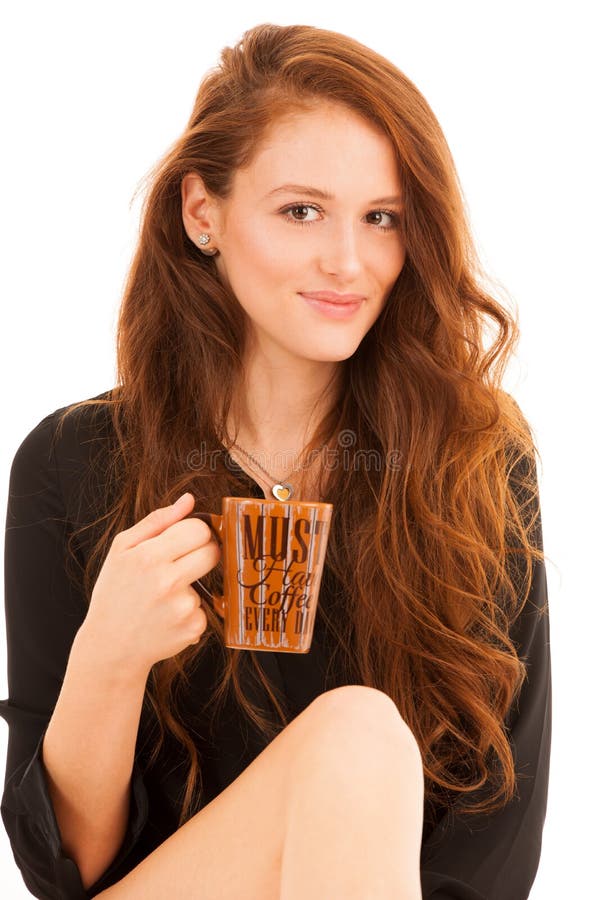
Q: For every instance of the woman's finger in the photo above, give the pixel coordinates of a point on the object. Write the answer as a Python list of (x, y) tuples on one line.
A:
[(155, 522)]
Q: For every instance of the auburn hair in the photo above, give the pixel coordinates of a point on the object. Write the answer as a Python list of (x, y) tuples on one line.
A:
[(433, 556)]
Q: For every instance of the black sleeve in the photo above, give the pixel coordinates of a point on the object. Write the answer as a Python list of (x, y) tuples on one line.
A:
[(496, 857), (44, 610)]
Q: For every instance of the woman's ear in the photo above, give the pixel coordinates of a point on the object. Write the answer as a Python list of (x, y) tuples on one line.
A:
[(198, 208)]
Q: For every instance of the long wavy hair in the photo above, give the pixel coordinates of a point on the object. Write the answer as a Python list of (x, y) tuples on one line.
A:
[(436, 551)]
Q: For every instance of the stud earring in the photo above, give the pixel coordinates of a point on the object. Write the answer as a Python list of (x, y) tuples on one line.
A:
[(202, 241)]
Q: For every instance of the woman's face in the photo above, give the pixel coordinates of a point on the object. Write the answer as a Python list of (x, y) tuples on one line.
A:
[(279, 242)]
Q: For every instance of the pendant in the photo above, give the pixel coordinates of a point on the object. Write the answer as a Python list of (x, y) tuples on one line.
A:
[(282, 491)]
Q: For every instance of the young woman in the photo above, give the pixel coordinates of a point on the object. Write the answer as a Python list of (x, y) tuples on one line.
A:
[(305, 307)]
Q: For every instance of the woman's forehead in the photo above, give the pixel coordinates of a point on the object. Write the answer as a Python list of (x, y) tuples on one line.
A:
[(322, 149)]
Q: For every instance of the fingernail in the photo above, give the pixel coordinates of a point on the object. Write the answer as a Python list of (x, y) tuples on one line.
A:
[(181, 499)]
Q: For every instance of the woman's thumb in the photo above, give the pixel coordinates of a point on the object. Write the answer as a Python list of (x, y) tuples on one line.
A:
[(156, 521)]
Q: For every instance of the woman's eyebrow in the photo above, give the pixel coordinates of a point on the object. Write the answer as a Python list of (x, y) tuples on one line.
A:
[(324, 195)]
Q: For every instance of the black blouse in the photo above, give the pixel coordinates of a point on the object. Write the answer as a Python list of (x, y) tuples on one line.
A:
[(493, 857)]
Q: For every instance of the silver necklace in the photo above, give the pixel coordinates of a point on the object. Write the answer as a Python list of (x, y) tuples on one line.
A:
[(281, 490)]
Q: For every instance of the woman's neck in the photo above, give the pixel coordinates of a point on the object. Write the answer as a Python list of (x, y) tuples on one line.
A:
[(275, 415), (280, 405)]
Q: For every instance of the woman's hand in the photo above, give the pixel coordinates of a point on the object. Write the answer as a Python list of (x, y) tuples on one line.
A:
[(143, 608)]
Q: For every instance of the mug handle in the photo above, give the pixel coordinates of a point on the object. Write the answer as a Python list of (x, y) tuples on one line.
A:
[(215, 523)]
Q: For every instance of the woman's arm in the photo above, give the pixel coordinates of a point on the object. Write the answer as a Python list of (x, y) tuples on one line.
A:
[(45, 611), (88, 755), (495, 857), (86, 666)]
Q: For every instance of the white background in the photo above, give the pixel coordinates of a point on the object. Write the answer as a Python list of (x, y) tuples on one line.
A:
[(93, 94)]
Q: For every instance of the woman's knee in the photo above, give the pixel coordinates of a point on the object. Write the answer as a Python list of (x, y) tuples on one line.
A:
[(356, 720)]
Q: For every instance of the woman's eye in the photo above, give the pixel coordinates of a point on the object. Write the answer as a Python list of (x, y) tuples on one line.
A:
[(382, 212), (297, 213), (303, 208)]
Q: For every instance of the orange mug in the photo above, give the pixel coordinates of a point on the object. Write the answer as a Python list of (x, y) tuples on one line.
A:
[(273, 552)]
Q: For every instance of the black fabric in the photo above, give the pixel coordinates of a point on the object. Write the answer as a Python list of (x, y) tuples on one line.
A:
[(488, 858)]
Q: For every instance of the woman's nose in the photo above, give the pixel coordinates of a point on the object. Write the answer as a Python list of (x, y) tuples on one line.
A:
[(341, 251)]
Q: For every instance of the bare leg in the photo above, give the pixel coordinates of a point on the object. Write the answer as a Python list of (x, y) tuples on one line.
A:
[(353, 830), (325, 810)]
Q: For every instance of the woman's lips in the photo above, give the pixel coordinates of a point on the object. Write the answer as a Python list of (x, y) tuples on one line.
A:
[(333, 309)]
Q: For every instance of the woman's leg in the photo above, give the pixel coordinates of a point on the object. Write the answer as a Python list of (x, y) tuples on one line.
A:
[(355, 813), (331, 807)]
